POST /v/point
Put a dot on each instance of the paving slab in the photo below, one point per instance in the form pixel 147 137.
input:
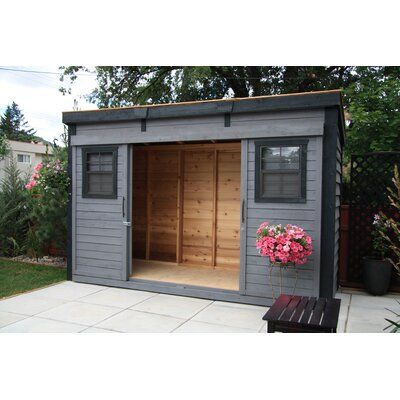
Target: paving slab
pixel 249 317
pixel 68 291
pixel 204 327
pixel 173 306
pixel 115 297
pixel 41 325
pixel 7 318
pixel 97 330
pixel 80 313
pixel 141 322
pixel 375 302
pixel 29 304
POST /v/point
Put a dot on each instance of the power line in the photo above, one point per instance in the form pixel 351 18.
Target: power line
pixel 43 72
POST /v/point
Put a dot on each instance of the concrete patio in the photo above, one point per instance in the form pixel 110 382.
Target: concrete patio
pixel 76 307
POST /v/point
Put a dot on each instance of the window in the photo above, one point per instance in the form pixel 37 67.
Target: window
pixel 280 171
pixel 99 169
pixel 24 158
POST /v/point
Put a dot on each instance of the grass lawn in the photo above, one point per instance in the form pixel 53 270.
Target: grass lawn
pixel 17 277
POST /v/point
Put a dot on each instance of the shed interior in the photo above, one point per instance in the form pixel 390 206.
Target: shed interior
pixel 186 214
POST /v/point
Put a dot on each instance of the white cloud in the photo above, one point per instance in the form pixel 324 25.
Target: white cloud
pixel 39 97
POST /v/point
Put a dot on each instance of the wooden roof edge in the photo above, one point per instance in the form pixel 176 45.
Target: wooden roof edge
pixel 316 99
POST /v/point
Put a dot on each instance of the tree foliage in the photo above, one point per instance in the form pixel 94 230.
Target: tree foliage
pixel 13 125
pixel 371 96
pixel 14 211
pixel 373 105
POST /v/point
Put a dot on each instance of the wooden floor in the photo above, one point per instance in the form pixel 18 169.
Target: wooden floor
pixel 161 271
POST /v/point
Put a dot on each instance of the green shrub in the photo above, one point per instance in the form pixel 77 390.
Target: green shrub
pixel 49 192
pixel 15 207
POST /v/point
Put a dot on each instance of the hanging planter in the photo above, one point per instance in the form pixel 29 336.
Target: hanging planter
pixel 286 247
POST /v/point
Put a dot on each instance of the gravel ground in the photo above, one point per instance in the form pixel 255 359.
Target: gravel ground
pixel 45 260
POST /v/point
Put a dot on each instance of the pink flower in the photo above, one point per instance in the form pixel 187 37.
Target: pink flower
pixel 38 167
pixel 289 244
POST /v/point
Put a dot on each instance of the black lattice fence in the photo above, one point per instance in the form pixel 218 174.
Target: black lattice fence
pixel 370 176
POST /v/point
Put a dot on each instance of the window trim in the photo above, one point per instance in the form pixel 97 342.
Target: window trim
pixel 259 144
pixel 99 149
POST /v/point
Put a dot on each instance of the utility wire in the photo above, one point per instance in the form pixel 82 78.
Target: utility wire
pixel 43 72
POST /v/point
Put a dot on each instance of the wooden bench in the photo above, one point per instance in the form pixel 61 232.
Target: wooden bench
pixel 303 314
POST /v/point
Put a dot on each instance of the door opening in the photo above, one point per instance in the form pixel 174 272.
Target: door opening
pixel 186 214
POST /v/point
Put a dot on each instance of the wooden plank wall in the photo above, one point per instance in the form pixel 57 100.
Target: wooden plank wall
pixel 197 239
pixel 162 201
pixel 139 205
pixel 306 215
pixel 98 229
pixel 190 213
pixel 228 209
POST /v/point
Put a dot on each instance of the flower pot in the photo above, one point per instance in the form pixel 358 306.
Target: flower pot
pixel 377 275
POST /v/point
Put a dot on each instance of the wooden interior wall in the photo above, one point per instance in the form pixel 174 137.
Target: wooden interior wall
pixel 162 169
pixel 228 209
pixel 139 206
pixel 191 194
pixel 197 238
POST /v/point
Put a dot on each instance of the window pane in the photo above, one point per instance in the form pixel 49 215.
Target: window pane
pixel 281 185
pixel 94 183
pixel 107 183
pixel 280 158
pixel 106 167
pixel 93 167
pixel 93 158
pixel 106 157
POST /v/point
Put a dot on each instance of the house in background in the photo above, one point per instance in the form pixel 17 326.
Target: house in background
pixel 26 155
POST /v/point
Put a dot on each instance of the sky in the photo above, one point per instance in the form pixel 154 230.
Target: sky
pixel 37 95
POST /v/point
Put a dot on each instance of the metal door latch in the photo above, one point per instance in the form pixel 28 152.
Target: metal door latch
pixel 126 223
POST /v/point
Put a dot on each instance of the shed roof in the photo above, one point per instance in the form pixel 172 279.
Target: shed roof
pixel 283 102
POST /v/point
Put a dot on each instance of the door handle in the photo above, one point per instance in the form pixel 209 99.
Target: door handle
pixel 123 206
pixel 243 208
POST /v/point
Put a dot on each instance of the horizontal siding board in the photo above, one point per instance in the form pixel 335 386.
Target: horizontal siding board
pixel 103 248
pixel 98 216
pixel 104 232
pixel 98 262
pixel 99 255
pixel 99 272
pixel 264 271
pixel 95 223
pixel 287 282
pixel 98 239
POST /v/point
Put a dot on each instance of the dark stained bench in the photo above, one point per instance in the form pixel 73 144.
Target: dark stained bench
pixel 303 314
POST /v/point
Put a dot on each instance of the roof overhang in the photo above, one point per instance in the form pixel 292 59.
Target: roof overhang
pixel 297 101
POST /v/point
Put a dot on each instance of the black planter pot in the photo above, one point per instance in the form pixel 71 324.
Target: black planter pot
pixel 377 275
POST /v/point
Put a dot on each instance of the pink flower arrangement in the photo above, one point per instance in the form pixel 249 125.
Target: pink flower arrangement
pixel 33 181
pixel 285 245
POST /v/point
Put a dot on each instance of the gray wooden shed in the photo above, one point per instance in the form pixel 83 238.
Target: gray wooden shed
pixel 167 198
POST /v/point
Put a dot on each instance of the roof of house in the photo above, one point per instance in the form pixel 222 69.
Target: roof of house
pixel 307 100
pixel 30 147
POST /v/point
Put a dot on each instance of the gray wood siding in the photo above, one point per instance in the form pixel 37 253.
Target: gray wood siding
pixel 98 249
pixel 261 125
pixel 339 161
pixel 307 215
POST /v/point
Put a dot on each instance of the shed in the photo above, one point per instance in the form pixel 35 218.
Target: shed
pixel 168 198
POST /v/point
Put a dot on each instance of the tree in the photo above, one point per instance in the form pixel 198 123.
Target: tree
pixel 373 104
pixel 4 147
pixel 14 211
pixel 121 86
pixel 371 94
pixel 13 125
